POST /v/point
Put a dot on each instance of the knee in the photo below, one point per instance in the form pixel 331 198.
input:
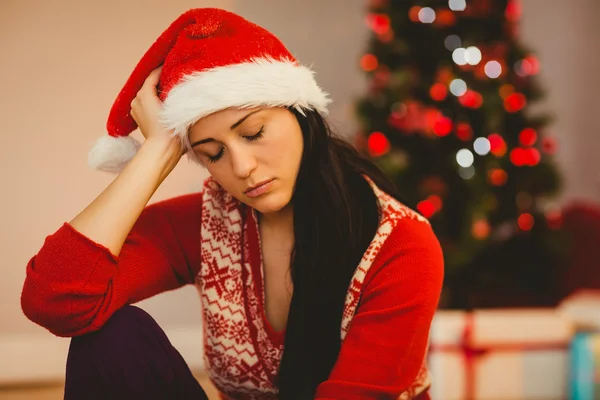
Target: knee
pixel 128 321
pixel 124 323
pixel 128 330
pixel 129 357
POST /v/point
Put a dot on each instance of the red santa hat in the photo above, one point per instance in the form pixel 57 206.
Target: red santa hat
pixel 211 60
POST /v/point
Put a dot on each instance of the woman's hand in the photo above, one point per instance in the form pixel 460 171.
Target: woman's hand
pixel 111 216
pixel 145 108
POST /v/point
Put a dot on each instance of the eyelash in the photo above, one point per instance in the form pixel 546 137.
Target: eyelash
pixel 253 138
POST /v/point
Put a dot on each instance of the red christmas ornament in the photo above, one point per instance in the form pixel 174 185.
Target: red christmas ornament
pixel 369 62
pixel 521 157
pixel 533 64
pixel 438 92
pixel 471 99
pixel 513 11
pixel 525 222
pixel 527 137
pixel 527 66
pixel 464 131
pixel 379 23
pixel 426 208
pixel 444 18
pixel 442 126
pixel 432 116
pixel 497 145
pixel 497 177
pixel 515 102
pixel 481 229
pixel 378 144
pixel 410 119
pixel 533 156
pixel 518 157
pixel 413 13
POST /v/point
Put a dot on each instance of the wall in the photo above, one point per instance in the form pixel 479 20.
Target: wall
pixel 564 36
pixel 328 35
pixel 63 62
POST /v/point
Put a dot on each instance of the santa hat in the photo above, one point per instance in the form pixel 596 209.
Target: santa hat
pixel 211 60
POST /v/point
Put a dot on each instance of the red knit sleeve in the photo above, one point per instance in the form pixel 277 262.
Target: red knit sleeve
pixel 74 285
pixel 386 343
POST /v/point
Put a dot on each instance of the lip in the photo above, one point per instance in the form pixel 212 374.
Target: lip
pixel 260 188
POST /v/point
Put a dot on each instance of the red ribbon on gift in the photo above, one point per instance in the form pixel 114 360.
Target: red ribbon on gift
pixel 472 352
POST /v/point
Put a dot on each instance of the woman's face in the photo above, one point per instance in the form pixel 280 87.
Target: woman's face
pixel 253 154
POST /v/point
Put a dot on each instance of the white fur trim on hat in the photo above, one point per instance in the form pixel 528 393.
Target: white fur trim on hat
pixel 112 154
pixel 260 82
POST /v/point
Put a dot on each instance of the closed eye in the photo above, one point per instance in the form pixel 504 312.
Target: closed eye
pixel 216 157
pixel 253 138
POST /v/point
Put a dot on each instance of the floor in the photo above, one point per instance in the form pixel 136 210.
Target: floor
pixel 55 391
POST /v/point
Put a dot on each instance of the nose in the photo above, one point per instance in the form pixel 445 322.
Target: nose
pixel 243 162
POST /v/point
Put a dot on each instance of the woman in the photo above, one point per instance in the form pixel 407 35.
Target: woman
pixel 315 281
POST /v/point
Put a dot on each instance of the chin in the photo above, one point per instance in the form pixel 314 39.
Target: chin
pixel 270 203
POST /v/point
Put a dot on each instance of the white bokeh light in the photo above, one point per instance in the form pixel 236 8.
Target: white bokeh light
pixel 458 87
pixel 459 56
pixel 457 5
pixel 466 173
pixel 426 15
pixel 452 42
pixel 473 55
pixel 493 69
pixel 464 158
pixel 482 146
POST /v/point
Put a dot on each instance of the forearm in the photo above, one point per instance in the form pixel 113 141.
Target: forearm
pixel 111 216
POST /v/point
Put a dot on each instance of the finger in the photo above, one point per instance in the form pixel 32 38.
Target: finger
pixel 132 113
pixel 133 106
pixel 152 80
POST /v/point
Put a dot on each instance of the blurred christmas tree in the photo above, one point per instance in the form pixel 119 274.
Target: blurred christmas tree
pixel 449 117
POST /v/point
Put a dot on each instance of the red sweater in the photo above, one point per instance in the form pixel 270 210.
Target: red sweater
pixel 74 285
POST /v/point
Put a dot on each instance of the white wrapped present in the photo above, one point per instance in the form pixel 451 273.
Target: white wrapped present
pixel 500 354
pixel 583 308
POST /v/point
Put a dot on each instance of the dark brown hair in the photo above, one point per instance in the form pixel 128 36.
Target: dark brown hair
pixel 335 218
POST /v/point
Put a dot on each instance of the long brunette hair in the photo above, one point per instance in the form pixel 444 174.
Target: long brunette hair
pixel 335 218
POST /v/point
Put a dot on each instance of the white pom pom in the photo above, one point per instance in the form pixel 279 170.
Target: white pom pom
pixel 112 154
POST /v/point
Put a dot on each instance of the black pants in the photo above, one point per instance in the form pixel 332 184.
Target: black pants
pixel 129 358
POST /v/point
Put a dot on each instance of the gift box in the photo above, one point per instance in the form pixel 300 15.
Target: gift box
pixel 500 354
pixel 585 367
pixel 583 309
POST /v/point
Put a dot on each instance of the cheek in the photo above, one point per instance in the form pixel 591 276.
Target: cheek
pixel 295 146
pixel 288 151
pixel 222 175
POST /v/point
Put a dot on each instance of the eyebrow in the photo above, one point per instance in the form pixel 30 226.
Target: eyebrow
pixel 238 123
